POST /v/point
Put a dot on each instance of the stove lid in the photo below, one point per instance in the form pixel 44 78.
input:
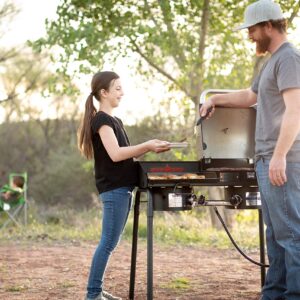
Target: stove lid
pixel 229 133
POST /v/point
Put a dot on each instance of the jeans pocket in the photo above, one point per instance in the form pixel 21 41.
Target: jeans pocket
pixel 296 241
pixel 293 172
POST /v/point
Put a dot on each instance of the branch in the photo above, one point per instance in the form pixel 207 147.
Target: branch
pixel 294 13
pixel 8 54
pixel 196 84
pixel 12 95
pixel 160 70
pixel 203 33
pixel 9 97
pixel 8 11
pixel 177 51
pixel 31 83
pixel 150 13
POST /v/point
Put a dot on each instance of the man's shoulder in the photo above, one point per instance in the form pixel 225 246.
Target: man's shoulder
pixel 289 50
pixel 288 56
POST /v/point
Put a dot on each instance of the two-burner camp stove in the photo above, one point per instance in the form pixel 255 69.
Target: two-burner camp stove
pixel 226 162
pixel 169 180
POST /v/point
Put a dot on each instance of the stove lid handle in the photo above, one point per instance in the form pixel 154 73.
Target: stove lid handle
pixel 214 91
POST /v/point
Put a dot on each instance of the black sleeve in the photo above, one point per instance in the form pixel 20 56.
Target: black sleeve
pixel 120 121
pixel 99 120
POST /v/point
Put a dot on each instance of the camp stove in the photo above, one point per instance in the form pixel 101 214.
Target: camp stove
pixel 172 183
pixel 226 160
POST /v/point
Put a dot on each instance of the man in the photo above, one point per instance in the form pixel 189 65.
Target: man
pixel 276 90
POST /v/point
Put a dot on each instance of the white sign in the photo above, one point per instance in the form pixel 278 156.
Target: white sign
pixel 175 200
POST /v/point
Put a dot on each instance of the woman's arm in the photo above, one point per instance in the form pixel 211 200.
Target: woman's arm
pixel 117 153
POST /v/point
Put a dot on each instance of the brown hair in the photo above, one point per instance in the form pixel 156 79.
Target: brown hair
pixel 280 25
pixel 18 181
pixel 101 80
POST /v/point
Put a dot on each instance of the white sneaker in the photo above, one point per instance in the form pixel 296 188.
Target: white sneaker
pixel 108 296
pixel 99 297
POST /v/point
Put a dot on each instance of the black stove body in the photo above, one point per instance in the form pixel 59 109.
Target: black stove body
pixel 226 160
pixel 172 183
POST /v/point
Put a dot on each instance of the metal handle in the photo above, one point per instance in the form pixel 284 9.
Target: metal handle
pixel 213 91
pixel 203 97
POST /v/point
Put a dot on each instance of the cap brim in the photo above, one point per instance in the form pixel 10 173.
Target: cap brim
pixel 243 26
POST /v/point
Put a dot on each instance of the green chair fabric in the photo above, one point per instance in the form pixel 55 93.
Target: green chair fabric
pixel 13 202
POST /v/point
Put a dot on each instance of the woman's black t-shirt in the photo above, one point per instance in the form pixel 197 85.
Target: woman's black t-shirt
pixel 110 175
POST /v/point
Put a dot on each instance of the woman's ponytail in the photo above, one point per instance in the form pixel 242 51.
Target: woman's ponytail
pixel 85 130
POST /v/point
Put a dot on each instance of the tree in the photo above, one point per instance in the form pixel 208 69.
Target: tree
pixel 43 145
pixel 7 12
pixel 186 42
pixel 189 44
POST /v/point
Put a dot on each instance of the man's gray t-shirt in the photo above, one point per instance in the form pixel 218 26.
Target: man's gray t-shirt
pixel 281 72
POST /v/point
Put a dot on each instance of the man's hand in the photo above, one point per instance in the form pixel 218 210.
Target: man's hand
pixel 277 170
pixel 205 107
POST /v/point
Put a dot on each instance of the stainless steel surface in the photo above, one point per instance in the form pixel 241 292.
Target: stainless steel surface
pixel 213 91
pixel 229 133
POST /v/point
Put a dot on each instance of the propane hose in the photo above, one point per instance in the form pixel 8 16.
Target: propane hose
pixel 234 243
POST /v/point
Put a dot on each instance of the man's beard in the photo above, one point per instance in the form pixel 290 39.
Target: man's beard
pixel 262 46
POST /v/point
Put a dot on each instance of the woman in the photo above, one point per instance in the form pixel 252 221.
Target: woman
pixel 103 138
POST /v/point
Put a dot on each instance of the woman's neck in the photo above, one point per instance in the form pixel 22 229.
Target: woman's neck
pixel 107 109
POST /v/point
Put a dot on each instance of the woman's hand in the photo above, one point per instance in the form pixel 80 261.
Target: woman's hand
pixel 158 146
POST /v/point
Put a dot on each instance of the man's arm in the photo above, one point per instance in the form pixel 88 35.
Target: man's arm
pixel 242 98
pixel 290 128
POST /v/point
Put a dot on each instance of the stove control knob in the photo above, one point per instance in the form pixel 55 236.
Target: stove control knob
pixel 201 200
pixel 236 200
pixel 190 199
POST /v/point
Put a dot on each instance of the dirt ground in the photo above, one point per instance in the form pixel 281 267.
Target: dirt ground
pixel 44 271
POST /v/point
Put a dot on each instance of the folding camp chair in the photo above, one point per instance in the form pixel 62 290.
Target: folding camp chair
pixel 14 207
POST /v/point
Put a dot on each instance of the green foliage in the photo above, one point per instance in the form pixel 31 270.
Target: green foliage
pixel 188 45
pixel 16 288
pixel 179 283
pixel 65 180
pixel 247 217
pixel 174 228
pixel 185 41
pixel 47 151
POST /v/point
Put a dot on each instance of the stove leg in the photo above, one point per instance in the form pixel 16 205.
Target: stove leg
pixel 134 243
pixel 149 246
pixel 262 246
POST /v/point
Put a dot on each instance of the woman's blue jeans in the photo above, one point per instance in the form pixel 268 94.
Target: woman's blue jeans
pixel 281 212
pixel 116 207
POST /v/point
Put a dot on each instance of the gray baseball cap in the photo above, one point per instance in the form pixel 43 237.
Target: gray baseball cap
pixel 260 11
